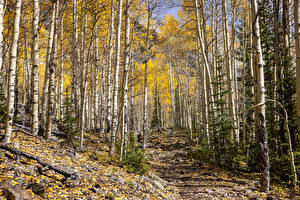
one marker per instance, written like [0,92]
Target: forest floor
[172,175]
[199,181]
[98,177]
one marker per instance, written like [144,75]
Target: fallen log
[54,132]
[48,166]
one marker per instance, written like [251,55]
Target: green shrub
[136,161]
[201,153]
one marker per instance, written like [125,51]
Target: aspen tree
[2,4]
[116,87]
[145,111]
[35,69]
[228,55]
[52,68]
[126,75]
[262,137]
[12,74]
[109,71]
[132,107]
[46,81]
[75,56]
[83,99]
[61,71]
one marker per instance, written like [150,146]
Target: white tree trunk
[116,88]
[52,68]
[83,92]
[35,69]
[46,80]
[12,74]
[109,74]
[61,72]
[230,87]
[262,137]
[125,93]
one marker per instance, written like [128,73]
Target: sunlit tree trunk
[61,71]
[52,68]
[109,71]
[84,71]
[47,74]
[230,87]
[261,135]
[145,122]
[132,107]
[125,81]
[35,69]
[116,88]
[172,94]
[12,74]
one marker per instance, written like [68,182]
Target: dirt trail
[195,181]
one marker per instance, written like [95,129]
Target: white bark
[230,86]
[35,69]
[109,74]
[262,137]
[61,72]
[52,68]
[46,80]
[116,88]
[12,74]
[125,93]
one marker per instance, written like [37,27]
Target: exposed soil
[194,180]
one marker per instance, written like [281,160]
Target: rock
[113,178]
[238,188]
[134,198]
[110,195]
[16,145]
[270,197]
[17,194]
[158,179]
[121,180]
[37,188]
[29,170]
[158,185]
[253,198]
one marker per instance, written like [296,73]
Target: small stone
[37,188]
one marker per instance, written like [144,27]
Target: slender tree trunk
[145,123]
[262,137]
[172,95]
[35,69]
[46,80]
[229,73]
[52,68]
[2,4]
[12,74]
[132,107]
[75,58]
[125,93]
[116,88]
[84,71]
[109,74]
[61,72]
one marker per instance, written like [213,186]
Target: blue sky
[172,11]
